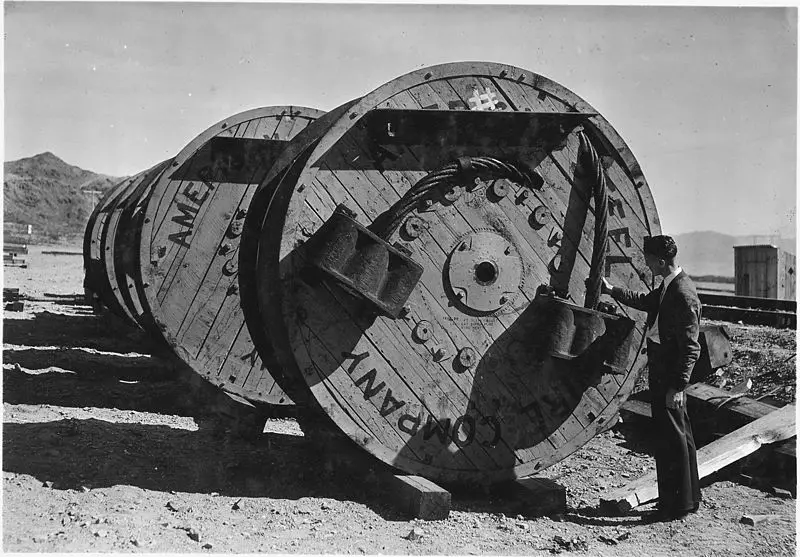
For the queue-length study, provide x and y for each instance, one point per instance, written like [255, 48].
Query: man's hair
[662, 247]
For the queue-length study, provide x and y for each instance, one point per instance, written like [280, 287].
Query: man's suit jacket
[678, 325]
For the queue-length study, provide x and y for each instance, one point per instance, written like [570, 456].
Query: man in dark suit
[673, 327]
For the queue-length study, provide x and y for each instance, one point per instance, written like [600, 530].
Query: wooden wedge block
[776, 426]
[419, 497]
[543, 497]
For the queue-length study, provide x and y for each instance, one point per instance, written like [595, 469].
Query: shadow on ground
[92, 453]
[103, 332]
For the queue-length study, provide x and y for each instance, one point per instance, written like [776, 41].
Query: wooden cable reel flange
[189, 245]
[91, 242]
[458, 391]
[121, 246]
[250, 257]
[104, 257]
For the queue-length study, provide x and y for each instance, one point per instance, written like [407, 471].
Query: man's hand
[675, 399]
[606, 287]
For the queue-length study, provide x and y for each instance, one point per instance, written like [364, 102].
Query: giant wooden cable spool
[91, 244]
[483, 374]
[189, 245]
[102, 232]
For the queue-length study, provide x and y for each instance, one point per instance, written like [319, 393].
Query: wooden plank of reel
[457, 388]
[119, 242]
[189, 247]
[100, 272]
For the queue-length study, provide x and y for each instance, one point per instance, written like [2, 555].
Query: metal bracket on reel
[363, 263]
[574, 331]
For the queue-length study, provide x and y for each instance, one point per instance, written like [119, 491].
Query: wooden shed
[764, 271]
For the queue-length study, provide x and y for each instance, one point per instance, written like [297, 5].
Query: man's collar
[670, 277]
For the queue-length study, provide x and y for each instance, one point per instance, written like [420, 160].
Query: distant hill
[711, 253]
[46, 192]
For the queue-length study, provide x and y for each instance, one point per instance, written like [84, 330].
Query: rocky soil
[104, 451]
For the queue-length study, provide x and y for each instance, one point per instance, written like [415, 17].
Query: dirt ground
[103, 451]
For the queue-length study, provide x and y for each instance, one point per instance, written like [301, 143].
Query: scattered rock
[175, 507]
[236, 506]
[623, 536]
[194, 534]
[100, 533]
[207, 546]
[85, 489]
[574, 544]
[135, 542]
[415, 534]
[607, 540]
[753, 519]
[782, 493]
[48, 483]
[40, 538]
[325, 507]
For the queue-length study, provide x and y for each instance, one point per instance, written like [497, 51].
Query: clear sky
[706, 98]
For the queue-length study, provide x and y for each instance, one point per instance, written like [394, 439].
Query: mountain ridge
[48, 193]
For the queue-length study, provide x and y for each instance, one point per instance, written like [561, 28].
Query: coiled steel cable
[590, 161]
[387, 222]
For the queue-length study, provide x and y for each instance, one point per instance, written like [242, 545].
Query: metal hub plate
[484, 271]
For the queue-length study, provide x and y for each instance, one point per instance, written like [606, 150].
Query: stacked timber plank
[16, 238]
[750, 310]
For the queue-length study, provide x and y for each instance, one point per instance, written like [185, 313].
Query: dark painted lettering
[357, 359]
[616, 206]
[555, 239]
[467, 424]
[434, 426]
[186, 218]
[617, 233]
[369, 378]
[195, 195]
[390, 404]
[415, 421]
[180, 237]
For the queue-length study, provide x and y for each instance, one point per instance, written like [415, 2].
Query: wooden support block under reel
[418, 497]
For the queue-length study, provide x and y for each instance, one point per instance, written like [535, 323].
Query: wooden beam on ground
[704, 400]
[776, 426]
[419, 497]
[542, 497]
